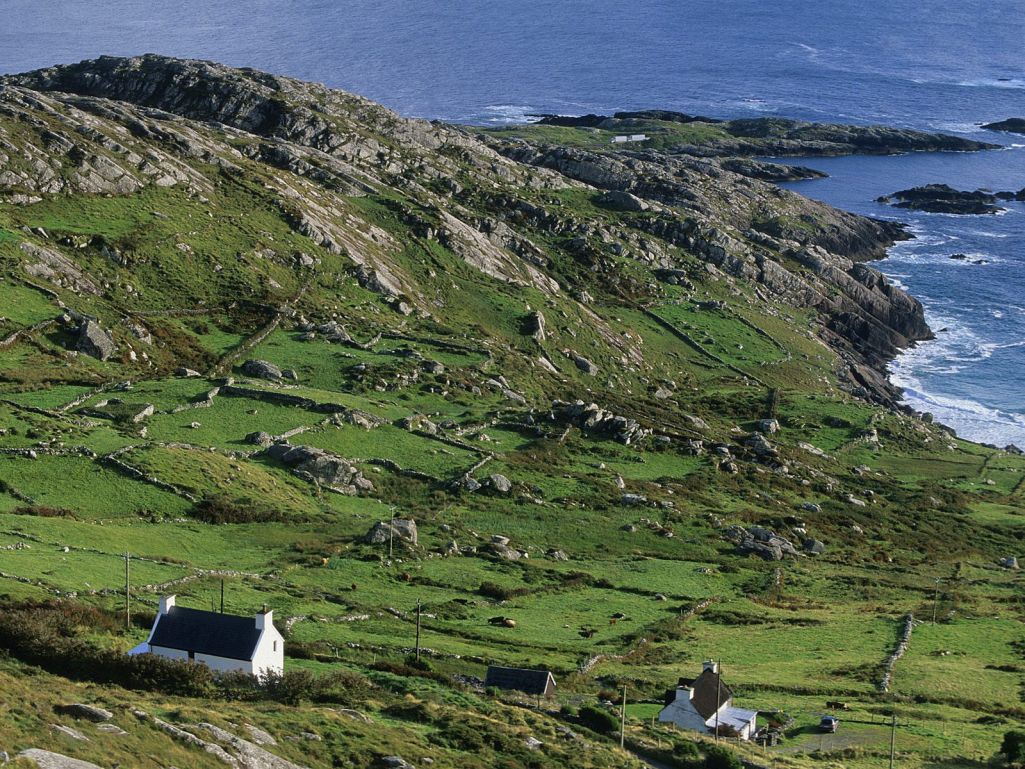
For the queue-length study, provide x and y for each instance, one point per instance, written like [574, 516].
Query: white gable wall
[681, 712]
[269, 656]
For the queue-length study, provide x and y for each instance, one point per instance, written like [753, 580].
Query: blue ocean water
[929, 64]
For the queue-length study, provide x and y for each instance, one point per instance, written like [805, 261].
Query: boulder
[585, 365]
[396, 528]
[94, 341]
[1009, 562]
[182, 371]
[535, 326]
[318, 466]
[396, 762]
[622, 201]
[44, 759]
[498, 482]
[261, 369]
[630, 500]
[760, 541]
[814, 546]
[87, 712]
[768, 426]
[260, 438]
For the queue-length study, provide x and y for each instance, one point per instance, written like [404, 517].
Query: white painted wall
[174, 654]
[269, 656]
[682, 713]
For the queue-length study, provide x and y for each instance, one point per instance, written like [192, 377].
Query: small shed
[540, 683]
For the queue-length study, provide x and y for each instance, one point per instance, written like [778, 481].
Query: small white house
[706, 702]
[222, 642]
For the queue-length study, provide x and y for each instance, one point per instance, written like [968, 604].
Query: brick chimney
[167, 603]
[264, 618]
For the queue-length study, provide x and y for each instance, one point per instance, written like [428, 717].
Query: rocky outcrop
[396, 529]
[1012, 125]
[320, 467]
[88, 712]
[94, 341]
[595, 420]
[762, 542]
[943, 199]
[46, 759]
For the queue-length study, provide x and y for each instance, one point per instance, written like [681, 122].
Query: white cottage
[705, 702]
[222, 642]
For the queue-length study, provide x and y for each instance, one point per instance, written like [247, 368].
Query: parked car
[828, 724]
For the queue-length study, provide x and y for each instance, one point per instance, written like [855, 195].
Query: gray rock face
[87, 712]
[249, 754]
[761, 542]
[260, 439]
[593, 419]
[622, 201]
[44, 759]
[320, 467]
[397, 529]
[535, 326]
[585, 365]
[261, 369]
[499, 483]
[94, 341]
[814, 546]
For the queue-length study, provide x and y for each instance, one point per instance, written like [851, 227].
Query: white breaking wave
[509, 113]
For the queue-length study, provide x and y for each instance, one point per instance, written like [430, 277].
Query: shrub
[1013, 747]
[686, 750]
[718, 757]
[499, 593]
[601, 721]
[220, 508]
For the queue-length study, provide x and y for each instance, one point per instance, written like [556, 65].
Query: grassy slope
[819, 631]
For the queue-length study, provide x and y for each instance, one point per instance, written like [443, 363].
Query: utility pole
[893, 734]
[417, 629]
[391, 535]
[222, 595]
[718, 695]
[622, 722]
[128, 592]
[935, 601]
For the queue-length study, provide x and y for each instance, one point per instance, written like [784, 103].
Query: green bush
[1013, 747]
[601, 721]
[718, 757]
[220, 508]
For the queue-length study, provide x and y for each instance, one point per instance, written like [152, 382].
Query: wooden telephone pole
[718, 695]
[893, 734]
[417, 629]
[128, 592]
[622, 722]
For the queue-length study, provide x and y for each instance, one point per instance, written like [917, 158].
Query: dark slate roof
[520, 679]
[207, 632]
[707, 693]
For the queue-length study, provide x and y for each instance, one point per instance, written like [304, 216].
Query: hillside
[596, 377]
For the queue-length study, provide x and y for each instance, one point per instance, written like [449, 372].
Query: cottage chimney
[264, 618]
[711, 665]
[167, 603]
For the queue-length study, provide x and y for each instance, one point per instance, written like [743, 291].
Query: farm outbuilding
[222, 642]
[540, 683]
